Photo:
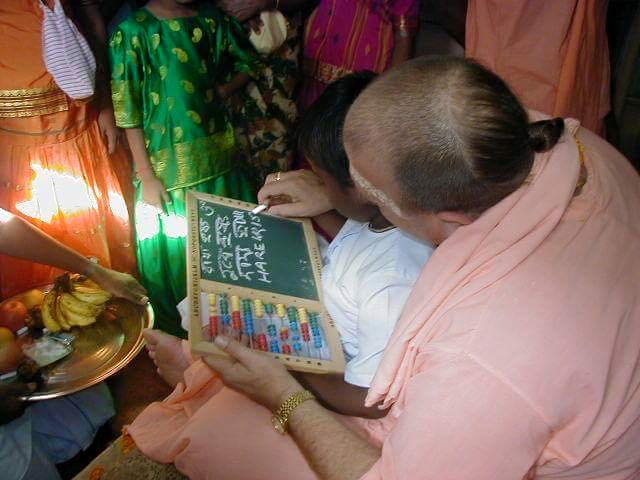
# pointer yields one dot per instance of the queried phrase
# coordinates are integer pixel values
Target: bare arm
(20, 239)
(333, 451)
(339, 396)
(153, 190)
(403, 48)
(237, 82)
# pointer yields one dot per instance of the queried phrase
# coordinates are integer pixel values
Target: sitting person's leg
(62, 427)
(168, 354)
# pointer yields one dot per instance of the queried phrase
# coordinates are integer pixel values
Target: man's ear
(459, 218)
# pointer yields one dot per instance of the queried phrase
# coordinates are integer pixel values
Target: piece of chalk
(259, 208)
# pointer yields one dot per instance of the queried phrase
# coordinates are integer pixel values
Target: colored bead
(275, 346)
(269, 308)
(284, 333)
(293, 325)
(280, 310)
(297, 346)
(286, 348)
(292, 313)
(212, 299)
(226, 319)
(262, 342)
(302, 315)
(317, 343)
(258, 307)
(214, 321)
(235, 303)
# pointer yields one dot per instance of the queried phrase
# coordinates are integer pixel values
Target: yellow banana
(48, 311)
(74, 319)
(59, 315)
(70, 303)
(93, 296)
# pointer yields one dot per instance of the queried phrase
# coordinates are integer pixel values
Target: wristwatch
(281, 416)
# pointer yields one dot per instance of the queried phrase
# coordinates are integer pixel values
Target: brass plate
(100, 350)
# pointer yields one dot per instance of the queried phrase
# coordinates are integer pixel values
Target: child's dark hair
(320, 132)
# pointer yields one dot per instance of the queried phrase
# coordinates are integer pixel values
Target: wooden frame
(196, 284)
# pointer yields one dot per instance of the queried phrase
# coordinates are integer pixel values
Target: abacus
(293, 329)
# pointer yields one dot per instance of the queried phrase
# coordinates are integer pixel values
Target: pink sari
(345, 36)
(516, 355)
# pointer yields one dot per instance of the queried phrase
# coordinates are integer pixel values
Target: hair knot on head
(543, 135)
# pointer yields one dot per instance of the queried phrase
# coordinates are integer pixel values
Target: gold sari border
(323, 72)
(32, 102)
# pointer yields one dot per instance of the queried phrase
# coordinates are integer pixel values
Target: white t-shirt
(366, 281)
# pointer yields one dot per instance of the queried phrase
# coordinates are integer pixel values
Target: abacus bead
(212, 298)
(275, 347)
(297, 346)
(286, 348)
(226, 319)
(258, 307)
(284, 333)
(268, 308)
(280, 310)
(317, 343)
(235, 303)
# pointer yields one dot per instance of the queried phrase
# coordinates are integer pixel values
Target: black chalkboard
(254, 251)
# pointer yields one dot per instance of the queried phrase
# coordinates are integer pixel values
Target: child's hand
(154, 193)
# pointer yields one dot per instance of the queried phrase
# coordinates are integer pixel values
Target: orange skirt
(56, 173)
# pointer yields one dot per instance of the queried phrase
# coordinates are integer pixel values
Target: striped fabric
(67, 55)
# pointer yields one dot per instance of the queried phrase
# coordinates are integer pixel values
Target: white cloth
(67, 54)
(366, 282)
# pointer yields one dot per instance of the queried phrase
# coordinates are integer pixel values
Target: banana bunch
(72, 302)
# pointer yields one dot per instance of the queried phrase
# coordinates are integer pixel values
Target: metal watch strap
(291, 403)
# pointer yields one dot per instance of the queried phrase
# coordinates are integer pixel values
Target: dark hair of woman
(320, 131)
(457, 137)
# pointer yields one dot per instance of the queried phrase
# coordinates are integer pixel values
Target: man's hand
(305, 189)
(107, 123)
(11, 406)
(245, 9)
(153, 191)
(261, 378)
(119, 284)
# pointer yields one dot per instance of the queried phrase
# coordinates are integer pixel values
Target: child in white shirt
(370, 266)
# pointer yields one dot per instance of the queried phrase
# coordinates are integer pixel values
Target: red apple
(13, 315)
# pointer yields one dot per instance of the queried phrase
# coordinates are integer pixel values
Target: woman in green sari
(168, 63)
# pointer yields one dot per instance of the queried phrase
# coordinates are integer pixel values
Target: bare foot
(166, 352)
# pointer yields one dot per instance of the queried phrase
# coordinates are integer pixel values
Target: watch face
(277, 424)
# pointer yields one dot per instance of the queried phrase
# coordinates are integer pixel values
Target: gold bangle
(281, 416)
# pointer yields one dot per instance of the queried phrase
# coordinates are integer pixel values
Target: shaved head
(449, 133)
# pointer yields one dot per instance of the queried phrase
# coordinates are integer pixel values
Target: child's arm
(236, 83)
(337, 395)
(153, 191)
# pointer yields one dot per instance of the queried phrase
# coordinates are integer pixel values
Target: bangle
(281, 416)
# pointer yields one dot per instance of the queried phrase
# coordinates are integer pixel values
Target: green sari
(165, 75)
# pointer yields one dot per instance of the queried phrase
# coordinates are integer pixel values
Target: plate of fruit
(68, 336)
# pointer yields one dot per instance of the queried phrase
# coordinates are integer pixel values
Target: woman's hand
(305, 190)
(261, 378)
(153, 191)
(119, 284)
(108, 128)
(245, 9)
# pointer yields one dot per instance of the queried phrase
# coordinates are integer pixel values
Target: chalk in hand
(259, 208)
